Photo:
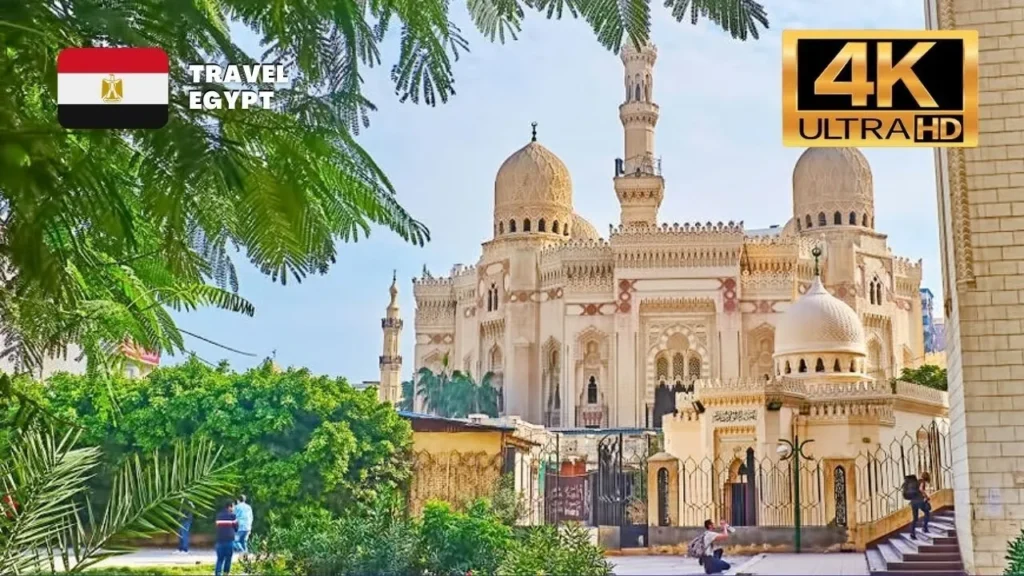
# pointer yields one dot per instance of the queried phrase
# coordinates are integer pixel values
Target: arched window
(511, 225)
(878, 293)
(501, 227)
(789, 370)
(565, 231)
(592, 391)
(661, 368)
(541, 225)
(871, 291)
(809, 224)
(836, 367)
(819, 366)
(853, 218)
(803, 367)
(526, 225)
(554, 226)
(647, 89)
(837, 219)
(678, 366)
(693, 365)
(853, 366)
(797, 224)
(864, 221)
(821, 219)
(636, 93)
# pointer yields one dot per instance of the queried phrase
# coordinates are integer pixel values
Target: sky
(719, 137)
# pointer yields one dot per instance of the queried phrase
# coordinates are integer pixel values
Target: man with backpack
(707, 550)
(916, 491)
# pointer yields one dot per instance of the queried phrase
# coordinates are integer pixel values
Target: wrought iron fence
(454, 477)
(750, 491)
(880, 473)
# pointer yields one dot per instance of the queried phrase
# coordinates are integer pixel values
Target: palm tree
(408, 401)
(46, 519)
(455, 394)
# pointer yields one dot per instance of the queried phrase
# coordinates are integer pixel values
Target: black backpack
(911, 487)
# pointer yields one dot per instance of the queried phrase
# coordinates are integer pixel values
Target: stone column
(981, 225)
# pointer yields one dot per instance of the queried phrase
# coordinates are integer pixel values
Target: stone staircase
(936, 553)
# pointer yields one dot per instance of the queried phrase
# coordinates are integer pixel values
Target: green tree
(928, 375)
(103, 229)
(300, 440)
(455, 394)
(47, 520)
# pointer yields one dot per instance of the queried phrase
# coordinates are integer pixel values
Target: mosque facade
(585, 331)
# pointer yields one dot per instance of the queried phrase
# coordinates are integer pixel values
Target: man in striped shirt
(226, 524)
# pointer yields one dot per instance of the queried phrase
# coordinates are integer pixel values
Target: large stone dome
(819, 323)
(833, 187)
(532, 192)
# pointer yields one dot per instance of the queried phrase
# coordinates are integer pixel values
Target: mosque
(583, 331)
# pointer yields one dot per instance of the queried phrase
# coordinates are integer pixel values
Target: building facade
(586, 331)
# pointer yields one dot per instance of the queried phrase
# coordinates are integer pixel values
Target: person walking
(920, 504)
(187, 516)
(226, 526)
(713, 563)
(244, 514)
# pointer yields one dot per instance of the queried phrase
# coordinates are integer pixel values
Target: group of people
(233, 524)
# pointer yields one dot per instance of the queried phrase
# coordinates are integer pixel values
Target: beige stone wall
(981, 210)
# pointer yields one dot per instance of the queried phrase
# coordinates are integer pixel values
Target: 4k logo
(880, 88)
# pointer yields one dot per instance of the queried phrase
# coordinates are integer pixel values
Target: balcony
(390, 361)
(643, 165)
(391, 323)
(591, 415)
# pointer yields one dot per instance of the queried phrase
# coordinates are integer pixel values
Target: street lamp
(795, 450)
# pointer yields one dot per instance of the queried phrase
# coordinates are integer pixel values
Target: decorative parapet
(921, 394)
(847, 390)
(707, 230)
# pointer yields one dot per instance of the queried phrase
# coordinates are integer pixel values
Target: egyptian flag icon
(118, 88)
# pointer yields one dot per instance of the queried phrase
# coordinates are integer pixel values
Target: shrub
(1015, 556)
(455, 542)
(548, 551)
(507, 503)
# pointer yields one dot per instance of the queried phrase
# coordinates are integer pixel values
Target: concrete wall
(754, 538)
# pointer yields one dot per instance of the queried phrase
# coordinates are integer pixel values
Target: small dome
(818, 322)
(582, 229)
(532, 185)
(833, 185)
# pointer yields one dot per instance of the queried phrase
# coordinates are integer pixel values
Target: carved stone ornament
(734, 416)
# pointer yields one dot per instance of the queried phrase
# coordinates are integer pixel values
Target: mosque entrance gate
(620, 488)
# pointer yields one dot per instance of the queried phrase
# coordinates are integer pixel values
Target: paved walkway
(838, 564)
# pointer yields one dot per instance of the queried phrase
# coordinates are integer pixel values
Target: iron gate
(620, 488)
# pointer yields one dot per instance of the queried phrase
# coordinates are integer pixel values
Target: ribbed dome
(827, 181)
(819, 323)
(532, 185)
(582, 229)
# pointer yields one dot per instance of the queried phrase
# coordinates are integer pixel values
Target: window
(541, 226)
(837, 219)
(554, 226)
(592, 391)
(878, 293)
(819, 366)
(871, 291)
(821, 219)
(836, 367)
(788, 369)
(803, 367)
(797, 224)
(693, 364)
(853, 366)
(501, 227)
(864, 221)
(661, 368)
(853, 218)
(808, 220)
(511, 225)
(678, 364)
(526, 225)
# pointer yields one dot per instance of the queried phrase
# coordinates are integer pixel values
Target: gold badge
(112, 89)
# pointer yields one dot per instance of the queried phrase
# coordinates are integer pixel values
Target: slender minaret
(638, 181)
(390, 388)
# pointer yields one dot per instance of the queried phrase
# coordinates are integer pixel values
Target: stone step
(915, 566)
(904, 546)
(919, 573)
(889, 553)
(875, 561)
(925, 546)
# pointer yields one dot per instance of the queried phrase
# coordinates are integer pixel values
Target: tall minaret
(638, 181)
(390, 388)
